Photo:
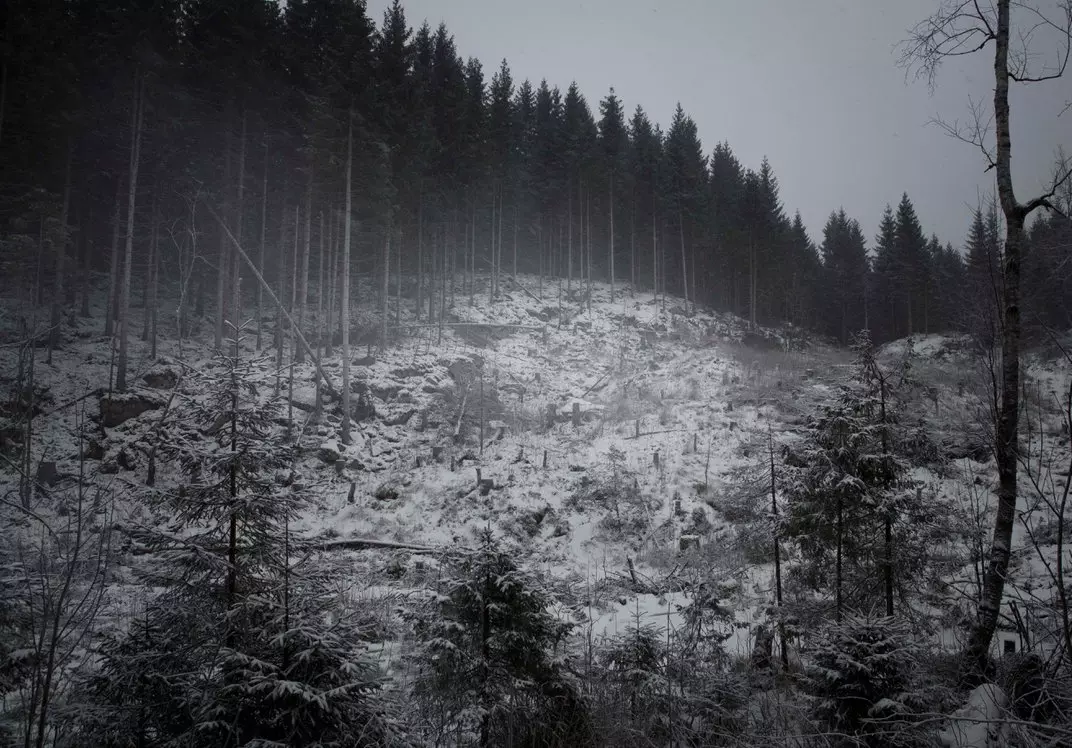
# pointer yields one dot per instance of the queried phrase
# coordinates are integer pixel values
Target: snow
(648, 382)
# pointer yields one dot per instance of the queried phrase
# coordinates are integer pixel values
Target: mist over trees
(129, 127)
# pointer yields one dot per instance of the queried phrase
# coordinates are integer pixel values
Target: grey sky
(811, 84)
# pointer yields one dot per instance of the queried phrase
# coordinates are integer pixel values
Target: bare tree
(962, 27)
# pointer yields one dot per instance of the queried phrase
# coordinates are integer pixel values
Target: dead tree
(957, 28)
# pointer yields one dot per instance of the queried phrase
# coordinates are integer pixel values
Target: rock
(987, 704)
(401, 419)
(685, 542)
(763, 649)
(93, 450)
(120, 407)
(386, 392)
(406, 372)
(161, 377)
(109, 467)
(124, 460)
(47, 474)
(329, 451)
(386, 492)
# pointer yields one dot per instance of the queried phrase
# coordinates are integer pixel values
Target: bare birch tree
(958, 28)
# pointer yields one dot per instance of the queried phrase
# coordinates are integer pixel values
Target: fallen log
(272, 297)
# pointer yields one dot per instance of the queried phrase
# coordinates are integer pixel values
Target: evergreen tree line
(128, 126)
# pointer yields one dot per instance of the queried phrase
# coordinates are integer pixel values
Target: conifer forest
(355, 391)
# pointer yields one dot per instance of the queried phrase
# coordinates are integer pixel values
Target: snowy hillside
(620, 450)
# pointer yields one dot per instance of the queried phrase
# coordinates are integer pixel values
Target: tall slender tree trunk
(1006, 448)
(777, 548)
(632, 249)
(837, 563)
(124, 291)
(385, 295)
(344, 305)
(588, 252)
(569, 256)
(113, 266)
(236, 258)
(420, 251)
(295, 267)
(398, 280)
(610, 199)
(654, 251)
(154, 286)
(491, 268)
(684, 263)
(61, 256)
(147, 277)
(515, 243)
(261, 250)
(319, 309)
(223, 256)
(85, 245)
(280, 285)
(307, 246)
(332, 275)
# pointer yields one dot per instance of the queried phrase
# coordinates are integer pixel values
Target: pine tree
(487, 653)
(845, 271)
(238, 647)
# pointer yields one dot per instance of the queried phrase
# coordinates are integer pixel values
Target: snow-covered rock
(978, 723)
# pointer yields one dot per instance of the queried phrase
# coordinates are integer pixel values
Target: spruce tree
(238, 647)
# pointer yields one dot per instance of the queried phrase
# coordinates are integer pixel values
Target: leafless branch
(976, 132)
(958, 28)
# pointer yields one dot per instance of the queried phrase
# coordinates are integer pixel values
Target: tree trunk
(569, 256)
(61, 256)
(154, 287)
(280, 279)
(295, 265)
(386, 284)
(113, 266)
(398, 281)
(1006, 448)
(319, 309)
(777, 548)
(261, 250)
(837, 567)
(236, 261)
(147, 277)
(124, 291)
(420, 251)
(610, 199)
(222, 262)
(684, 264)
(344, 304)
(332, 276)
(307, 245)
(654, 252)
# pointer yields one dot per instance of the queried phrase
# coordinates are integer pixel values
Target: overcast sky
(813, 85)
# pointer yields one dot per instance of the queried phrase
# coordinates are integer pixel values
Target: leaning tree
(963, 27)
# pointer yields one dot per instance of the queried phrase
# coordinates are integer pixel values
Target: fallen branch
(461, 415)
(95, 393)
(596, 384)
(272, 297)
(530, 294)
(361, 544)
(468, 324)
(653, 433)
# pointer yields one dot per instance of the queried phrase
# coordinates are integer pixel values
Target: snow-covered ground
(668, 402)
